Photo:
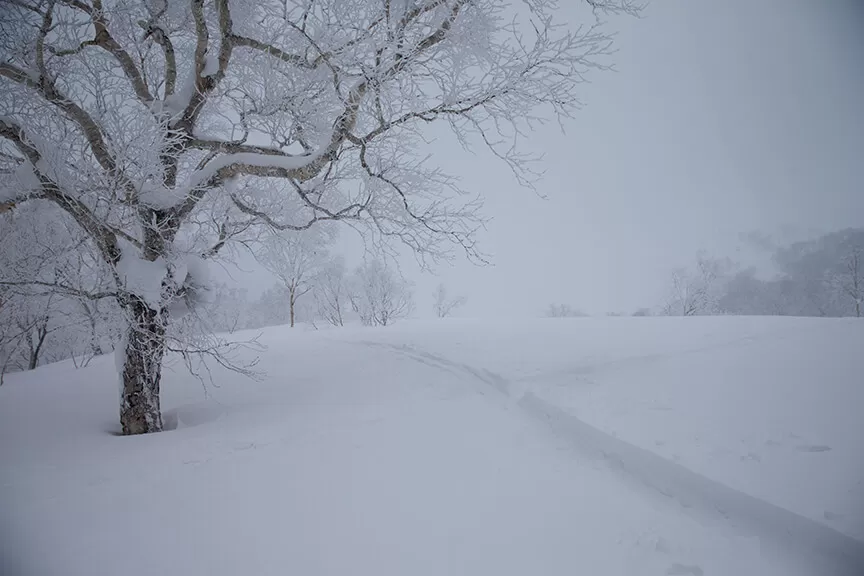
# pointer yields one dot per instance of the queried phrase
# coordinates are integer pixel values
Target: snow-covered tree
(270, 308)
(379, 296)
(822, 276)
(47, 275)
(228, 308)
(563, 311)
(331, 293)
(850, 280)
(697, 290)
(444, 304)
(296, 259)
(168, 129)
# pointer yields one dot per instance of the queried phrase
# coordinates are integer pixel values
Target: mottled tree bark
(140, 411)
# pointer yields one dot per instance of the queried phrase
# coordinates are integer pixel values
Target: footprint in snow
(813, 448)
(684, 570)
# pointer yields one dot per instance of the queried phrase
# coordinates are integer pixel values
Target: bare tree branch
(153, 30)
(90, 129)
(63, 288)
(104, 40)
(104, 235)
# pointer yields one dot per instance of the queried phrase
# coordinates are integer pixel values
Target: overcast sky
(723, 118)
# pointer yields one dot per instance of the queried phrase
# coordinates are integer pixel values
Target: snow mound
(584, 446)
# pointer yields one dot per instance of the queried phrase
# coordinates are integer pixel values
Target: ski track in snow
(695, 495)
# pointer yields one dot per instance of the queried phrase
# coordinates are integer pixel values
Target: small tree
(295, 259)
(851, 280)
(444, 305)
(228, 309)
(696, 291)
(378, 296)
(31, 324)
(331, 295)
(269, 309)
(563, 311)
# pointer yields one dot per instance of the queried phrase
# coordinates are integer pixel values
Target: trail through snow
(702, 498)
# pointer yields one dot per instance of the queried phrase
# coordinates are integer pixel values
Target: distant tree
(28, 322)
(822, 276)
(642, 312)
(48, 275)
(563, 311)
(685, 295)
(270, 308)
(851, 279)
(331, 294)
(696, 291)
(34, 323)
(746, 294)
(816, 277)
(806, 268)
(295, 259)
(378, 296)
(444, 305)
(228, 309)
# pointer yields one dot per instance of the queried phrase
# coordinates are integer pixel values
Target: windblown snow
(614, 446)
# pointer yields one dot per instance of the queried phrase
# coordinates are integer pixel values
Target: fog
(312, 409)
(720, 125)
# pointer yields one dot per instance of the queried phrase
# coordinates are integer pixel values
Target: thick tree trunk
(140, 411)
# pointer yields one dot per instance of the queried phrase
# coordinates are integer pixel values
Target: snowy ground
(631, 446)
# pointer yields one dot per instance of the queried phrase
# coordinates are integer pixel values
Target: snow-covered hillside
(631, 446)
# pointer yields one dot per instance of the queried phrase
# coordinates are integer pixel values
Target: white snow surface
(159, 197)
(613, 446)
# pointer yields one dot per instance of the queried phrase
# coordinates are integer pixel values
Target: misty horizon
(719, 130)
